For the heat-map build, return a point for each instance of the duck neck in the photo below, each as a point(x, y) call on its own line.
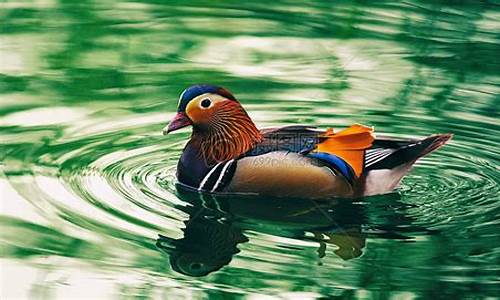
point(230, 134)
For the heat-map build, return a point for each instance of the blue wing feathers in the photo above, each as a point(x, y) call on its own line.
point(336, 162)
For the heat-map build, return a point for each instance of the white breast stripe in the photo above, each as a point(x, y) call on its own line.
point(221, 175)
point(202, 183)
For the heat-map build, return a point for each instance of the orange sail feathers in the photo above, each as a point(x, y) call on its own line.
point(348, 144)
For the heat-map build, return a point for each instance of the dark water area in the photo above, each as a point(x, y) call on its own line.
point(89, 205)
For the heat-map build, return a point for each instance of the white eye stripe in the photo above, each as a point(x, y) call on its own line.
point(180, 98)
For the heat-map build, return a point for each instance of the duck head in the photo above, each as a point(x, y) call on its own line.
point(221, 127)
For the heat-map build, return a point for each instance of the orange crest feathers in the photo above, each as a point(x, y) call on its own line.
point(348, 144)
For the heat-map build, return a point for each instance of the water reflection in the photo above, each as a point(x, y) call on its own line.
point(210, 239)
point(86, 86)
point(217, 223)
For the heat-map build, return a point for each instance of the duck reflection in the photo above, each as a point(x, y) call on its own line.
point(350, 243)
point(216, 224)
point(207, 246)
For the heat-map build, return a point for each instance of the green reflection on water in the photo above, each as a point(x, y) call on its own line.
point(87, 179)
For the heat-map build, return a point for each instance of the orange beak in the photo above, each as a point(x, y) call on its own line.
point(179, 121)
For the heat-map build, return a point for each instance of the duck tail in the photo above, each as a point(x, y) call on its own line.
point(433, 143)
point(405, 152)
point(391, 160)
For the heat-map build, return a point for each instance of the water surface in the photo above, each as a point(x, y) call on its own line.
point(87, 179)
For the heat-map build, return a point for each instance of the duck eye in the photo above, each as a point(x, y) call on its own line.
point(196, 266)
point(205, 103)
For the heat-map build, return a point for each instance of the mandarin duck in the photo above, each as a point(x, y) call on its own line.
point(228, 154)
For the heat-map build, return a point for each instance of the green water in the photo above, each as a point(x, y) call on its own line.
point(87, 179)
